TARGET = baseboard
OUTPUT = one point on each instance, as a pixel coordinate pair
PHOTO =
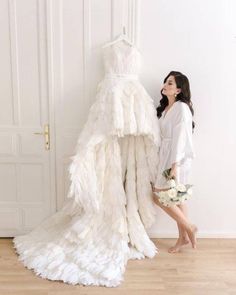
(204, 235)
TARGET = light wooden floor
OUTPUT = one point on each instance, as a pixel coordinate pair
(209, 270)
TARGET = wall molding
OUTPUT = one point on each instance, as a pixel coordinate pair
(133, 20)
(14, 61)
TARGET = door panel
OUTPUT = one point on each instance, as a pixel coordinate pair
(26, 193)
(51, 64)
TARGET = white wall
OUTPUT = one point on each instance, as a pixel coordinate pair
(195, 37)
(199, 39)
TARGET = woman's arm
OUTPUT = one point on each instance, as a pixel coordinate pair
(181, 146)
(173, 171)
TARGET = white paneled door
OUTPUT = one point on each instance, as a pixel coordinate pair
(26, 154)
(51, 63)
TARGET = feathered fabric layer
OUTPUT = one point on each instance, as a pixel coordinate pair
(109, 206)
(122, 108)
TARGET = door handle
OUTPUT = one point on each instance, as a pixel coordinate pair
(46, 134)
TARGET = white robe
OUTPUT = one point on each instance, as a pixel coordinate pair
(176, 143)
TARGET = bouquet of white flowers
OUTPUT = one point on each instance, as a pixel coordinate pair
(176, 194)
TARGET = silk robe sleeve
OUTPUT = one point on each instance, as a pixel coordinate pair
(182, 145)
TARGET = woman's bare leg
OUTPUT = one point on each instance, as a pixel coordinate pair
(181, 219)
(183, 236)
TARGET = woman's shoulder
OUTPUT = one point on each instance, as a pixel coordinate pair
(183, 110)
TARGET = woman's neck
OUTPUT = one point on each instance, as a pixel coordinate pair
(171, 100)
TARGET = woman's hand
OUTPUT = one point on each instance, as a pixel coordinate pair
(153, 188)
(157, 190)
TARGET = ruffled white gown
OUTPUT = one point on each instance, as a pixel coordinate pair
(109, 206)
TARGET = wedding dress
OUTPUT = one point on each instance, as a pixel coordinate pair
(109, 206)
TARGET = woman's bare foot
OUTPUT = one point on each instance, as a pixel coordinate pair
(180, 242)
(191, 231)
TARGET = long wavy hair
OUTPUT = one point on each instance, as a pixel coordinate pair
(182, 82)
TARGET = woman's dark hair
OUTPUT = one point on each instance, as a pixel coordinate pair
(185, 95)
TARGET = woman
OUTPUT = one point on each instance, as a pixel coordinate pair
(176, 152)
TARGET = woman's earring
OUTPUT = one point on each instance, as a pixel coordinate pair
(175, 95)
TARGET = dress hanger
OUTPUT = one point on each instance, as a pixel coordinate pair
(122, 37)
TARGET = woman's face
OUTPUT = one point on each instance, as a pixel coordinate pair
(170, 87)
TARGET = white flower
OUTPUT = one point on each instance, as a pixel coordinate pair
(161, 194)
(181, 188)
(172, 193)
(171, 183)
(190, 191)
